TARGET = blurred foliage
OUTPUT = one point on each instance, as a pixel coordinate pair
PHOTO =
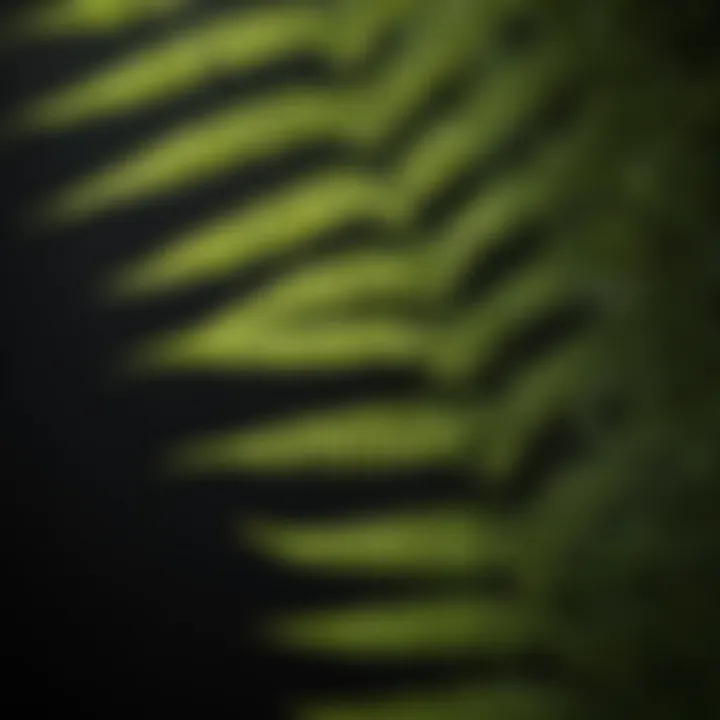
(642, 582)
(627, 554)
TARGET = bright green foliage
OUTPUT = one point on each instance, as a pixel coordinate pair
(568, 121)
